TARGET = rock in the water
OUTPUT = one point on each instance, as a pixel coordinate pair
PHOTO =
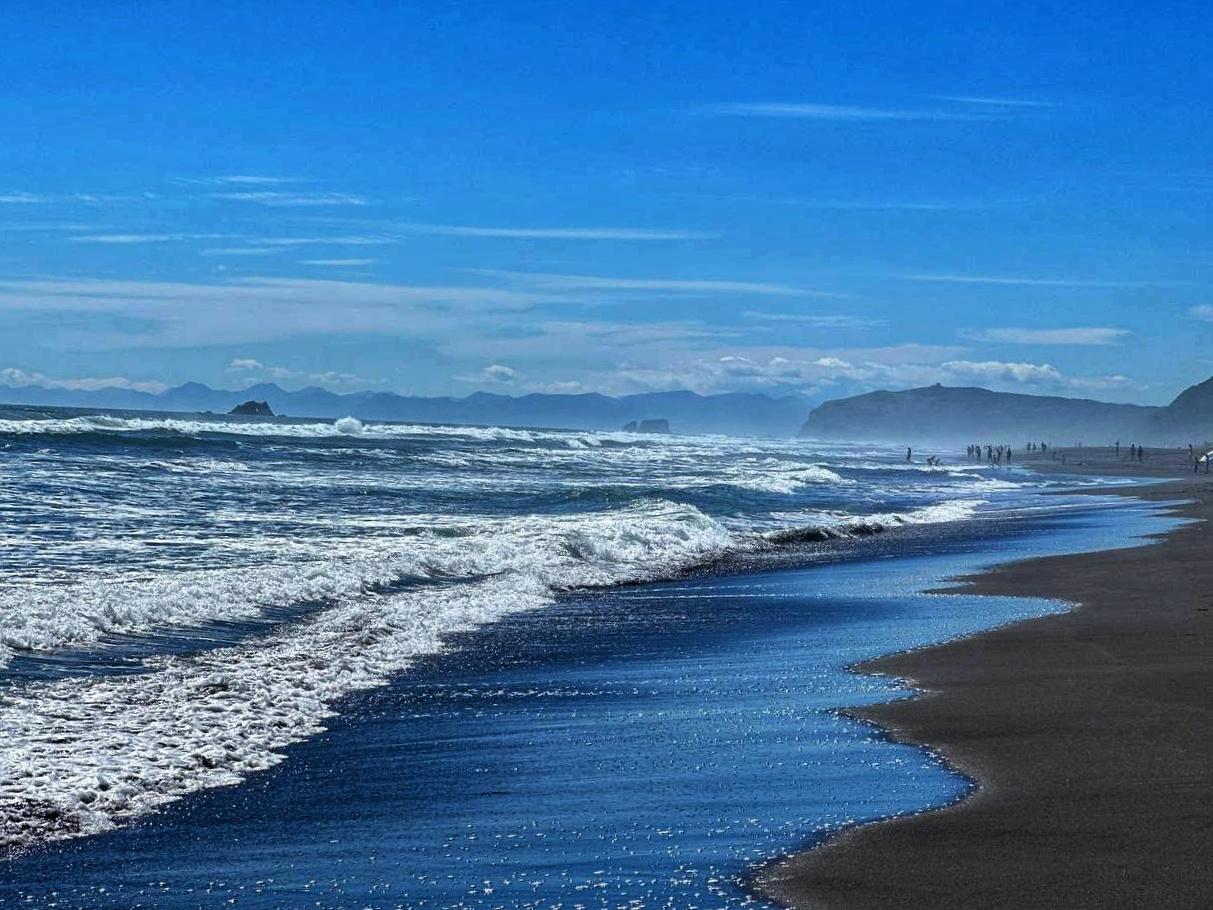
(253, 409)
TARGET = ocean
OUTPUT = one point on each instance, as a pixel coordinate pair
(287, 663)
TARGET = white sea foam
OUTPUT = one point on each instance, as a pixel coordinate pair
(80, 755)
(794, 525)
(200, 466)
(47, 617)
(772, 475)
(350, 426)
(106, 423)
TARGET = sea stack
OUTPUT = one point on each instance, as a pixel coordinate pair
(252, 409)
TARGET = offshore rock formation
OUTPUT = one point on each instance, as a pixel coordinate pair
(253, 409)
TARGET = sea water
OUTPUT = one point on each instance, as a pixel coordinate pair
(290, 663)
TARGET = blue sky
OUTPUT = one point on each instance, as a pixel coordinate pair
(440, 198)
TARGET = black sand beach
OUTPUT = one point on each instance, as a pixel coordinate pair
(1090, 734)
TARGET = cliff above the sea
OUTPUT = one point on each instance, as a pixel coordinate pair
(938, 414)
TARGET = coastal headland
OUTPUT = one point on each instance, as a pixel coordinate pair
(1089, 733)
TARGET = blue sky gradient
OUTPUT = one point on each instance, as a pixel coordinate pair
(439, 198)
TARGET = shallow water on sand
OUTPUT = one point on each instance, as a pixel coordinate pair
(638, 747)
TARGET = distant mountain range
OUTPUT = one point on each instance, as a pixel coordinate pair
(964, 415)
(929, 414)
(687, 412)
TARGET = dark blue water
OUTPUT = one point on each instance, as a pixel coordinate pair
(638, 747)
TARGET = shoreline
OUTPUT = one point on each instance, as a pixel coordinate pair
(1087, 733)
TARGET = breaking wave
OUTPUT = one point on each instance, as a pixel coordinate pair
(82, 755)
(189, 426)
(350, 426)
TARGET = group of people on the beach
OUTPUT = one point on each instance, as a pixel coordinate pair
(1136, 452)
(993, 454)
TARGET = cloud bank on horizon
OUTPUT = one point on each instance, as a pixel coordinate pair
(418, 201)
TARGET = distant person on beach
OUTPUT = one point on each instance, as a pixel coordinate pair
(1118, 448)
(1141, 455)
(909, 454)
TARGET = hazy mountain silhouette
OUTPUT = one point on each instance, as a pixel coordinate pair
(1191, 414)
(939, 414)
(933, 413)
(733, 413)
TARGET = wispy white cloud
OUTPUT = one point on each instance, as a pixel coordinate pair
(147, 238)
(1014, 280)
(824, 321)
(563, 282)
(190, 314)
(909, 206)
(34, 227)
(1076, 336)
(900, 367)
(556, 233)
(254, 180)
(338, 240)
(338, 263)
(995, 102)
(14, 377)
(255, 369)
(274, 198)
(493, 374)
(1204, 312)
(239, 251)
(1040, 374)
(239, 180)
(21, 198)
(992, 370)
(833, 112)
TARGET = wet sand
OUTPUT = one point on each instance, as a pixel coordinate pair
(1090, 734)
